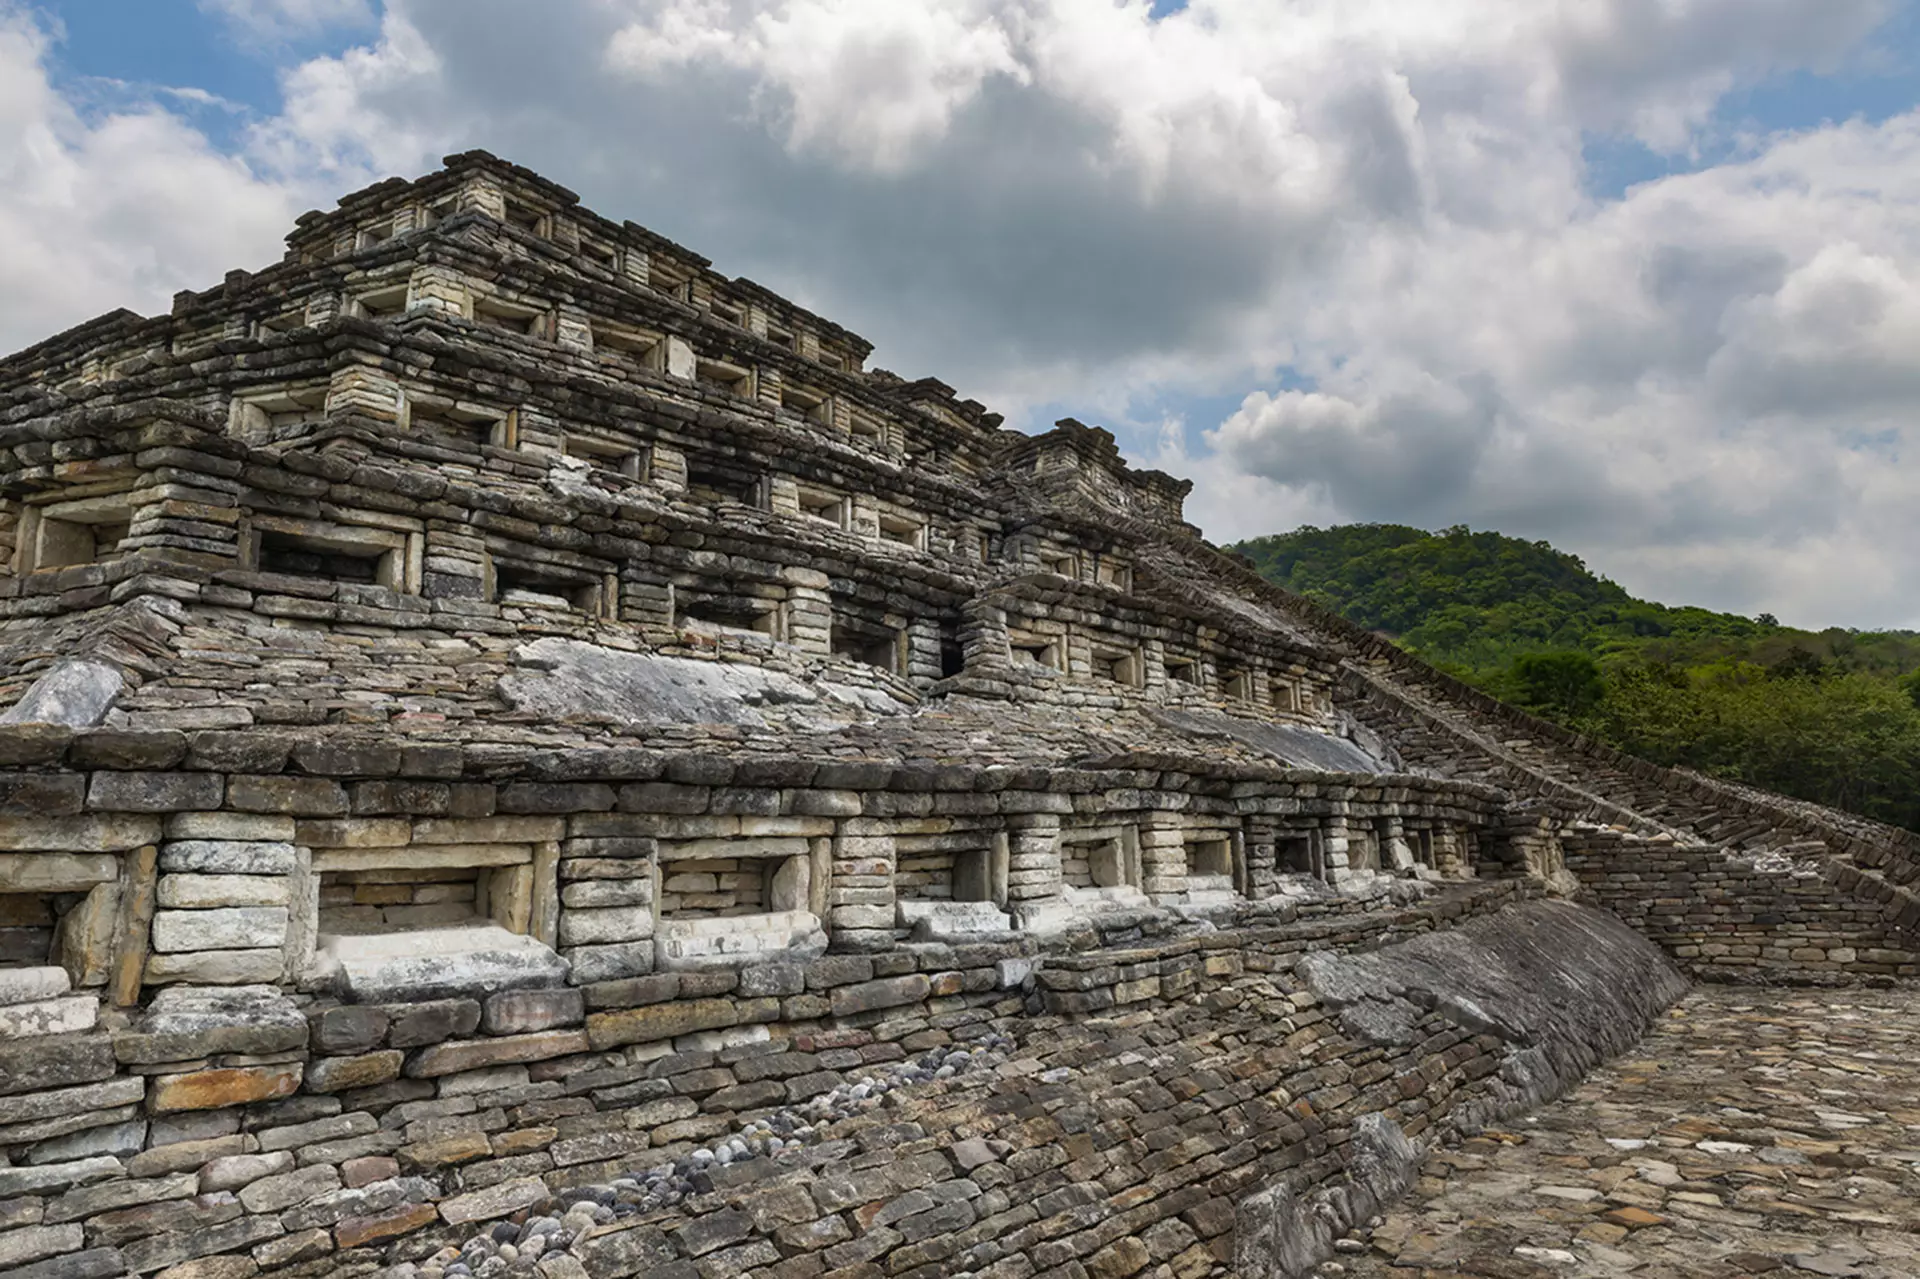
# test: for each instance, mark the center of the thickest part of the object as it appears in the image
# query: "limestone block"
(31, 1243)
(451, 1058)
(54, 1178)
(249, 827)
(61, 1102)
(610, 962)
(231, 1172)
(611, 924)
(589, 893)
(227, 857)
(354, 832)
(76, 692)
(886, 992)
(64, 1015)
(28, 985)
(421, 857)
(284, 1190)
(216, 967)
(44, 1131)
(42, 794)
(940, 920)
(29, 1065)
(432, 1021)
(338, 1074)
(54, 872)
(348, 1029)
(515, 1012)
(154, 792)
(432, 965)
(295, 796)
(495, 1201)
(86, 934)
(214, 1089)
(231, 928)
(120, 1133)
(658, 1021)
(186, 1022)
(488, 830)
(188, 891)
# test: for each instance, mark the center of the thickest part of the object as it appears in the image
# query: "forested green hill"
(1827, 715)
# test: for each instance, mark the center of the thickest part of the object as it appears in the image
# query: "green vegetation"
(1832, 715)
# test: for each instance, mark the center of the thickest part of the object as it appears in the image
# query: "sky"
(1637, 277)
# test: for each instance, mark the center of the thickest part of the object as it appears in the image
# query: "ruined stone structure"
(496, 706)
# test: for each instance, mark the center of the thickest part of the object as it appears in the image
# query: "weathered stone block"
(449, 1058)
(54, 1061)
(233, 1086)
(230, 928)
(659, 1021)
(347, 759)
(154, 792)
(202, 892)
(31, 1243)
(228, 857)
(216, 967)
(28, 985)
(231, 1172)
(358, 1232)
(887, 992)
(284, 1190)
(337, 1074)
(515, 1012)
(94, 1263)
(108, 1196)
(64, 1015)
(42, 794)
(296, 796)
(52, 1178)
(246, 827)
(607, 963)
(349, 1029)
(416, 1025)
(495, 1201)
(612, 924)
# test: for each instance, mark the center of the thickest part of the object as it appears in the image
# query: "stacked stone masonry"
(494, 705)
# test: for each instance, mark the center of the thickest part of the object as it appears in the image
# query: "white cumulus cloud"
(1366, 223)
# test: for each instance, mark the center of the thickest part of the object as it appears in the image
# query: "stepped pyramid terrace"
(523, 754)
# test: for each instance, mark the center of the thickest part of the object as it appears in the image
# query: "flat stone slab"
(64, 1015)
(438, 963)
(27, 985)
(185, 1022)
(559, 678)
(939, 920)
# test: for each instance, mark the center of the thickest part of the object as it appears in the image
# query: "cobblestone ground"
(1754, 1132)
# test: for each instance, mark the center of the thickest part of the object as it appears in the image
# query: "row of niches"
(604, 256)
(51, 531)
(613, 456)
(268, 911)
(621, 351)
(1171, 669)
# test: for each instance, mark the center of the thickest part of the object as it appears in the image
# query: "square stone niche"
(1213, 861)
(420, 923)
(951, 884)
(59, 910)
(722, 902)
(1100, 867)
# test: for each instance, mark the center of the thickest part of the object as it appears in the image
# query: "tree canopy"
(1831, 715)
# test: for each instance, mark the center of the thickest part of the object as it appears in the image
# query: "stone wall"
(1788, 917)
(307, 1136)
